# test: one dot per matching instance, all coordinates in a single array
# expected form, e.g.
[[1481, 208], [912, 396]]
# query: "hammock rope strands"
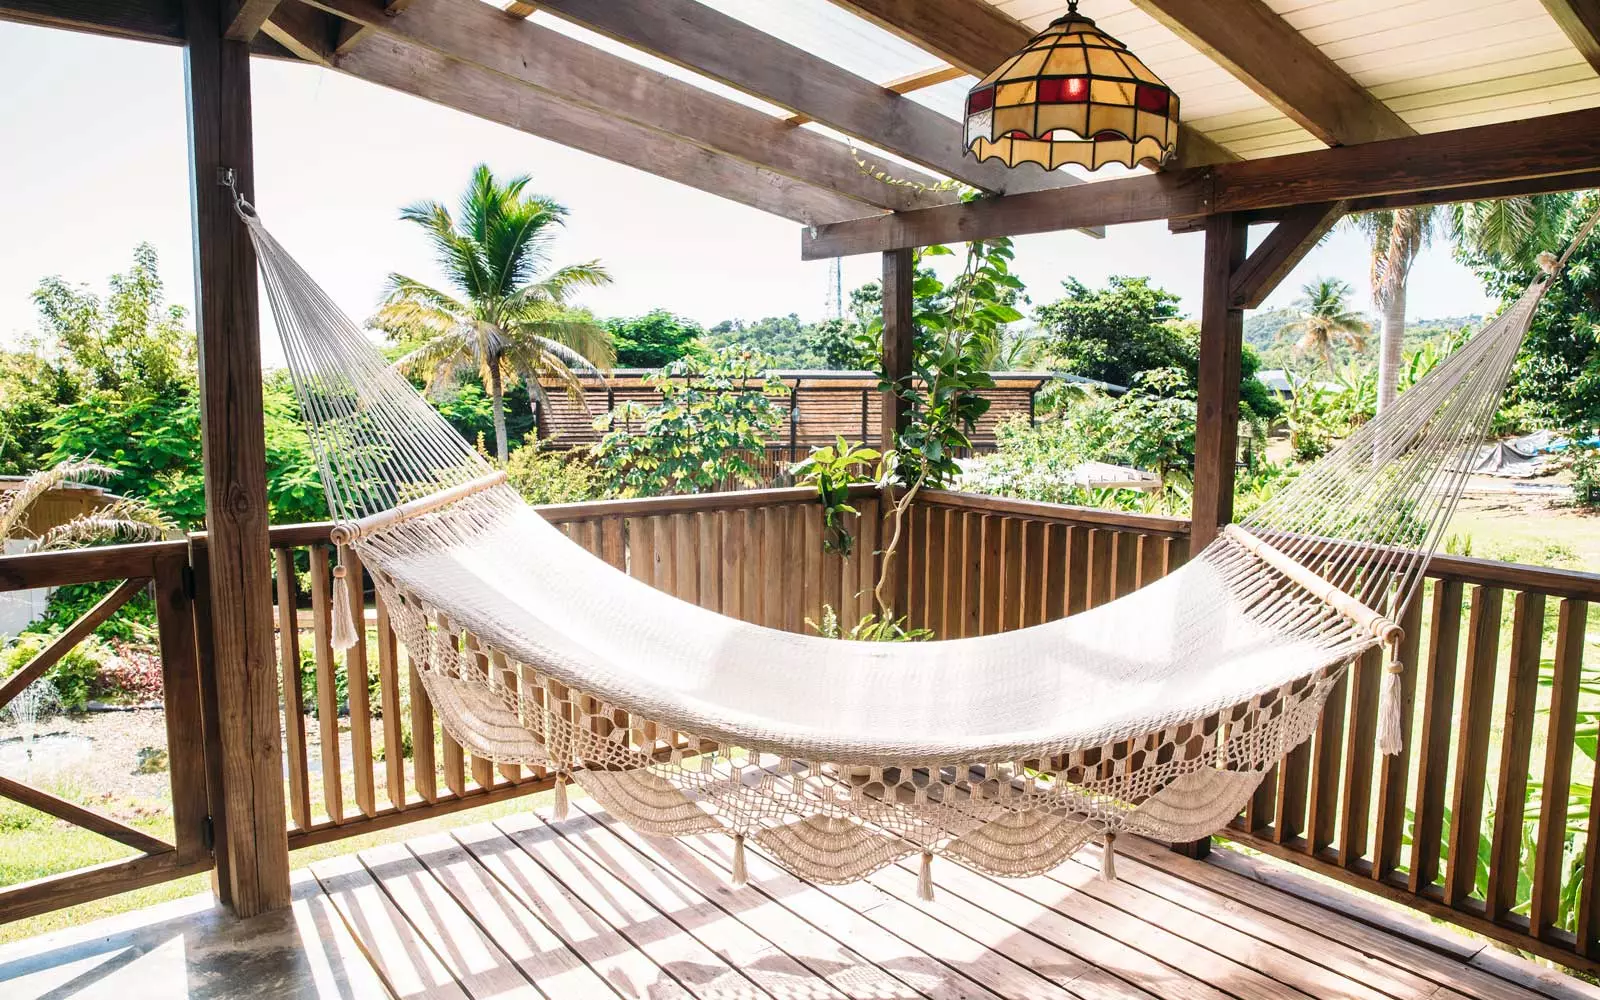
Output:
[[1156, 714]]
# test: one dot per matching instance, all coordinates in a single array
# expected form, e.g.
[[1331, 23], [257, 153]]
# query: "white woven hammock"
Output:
[[1158, 714]]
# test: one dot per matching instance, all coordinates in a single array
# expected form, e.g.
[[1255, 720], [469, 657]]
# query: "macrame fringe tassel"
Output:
[[925, 878], [740, 875], [1108, 858], [1390, 738], [344, 623], [559, 812]]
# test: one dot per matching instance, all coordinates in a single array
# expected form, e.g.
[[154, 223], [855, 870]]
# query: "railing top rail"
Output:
[[106, 562], [688, 503], [1149, 523]]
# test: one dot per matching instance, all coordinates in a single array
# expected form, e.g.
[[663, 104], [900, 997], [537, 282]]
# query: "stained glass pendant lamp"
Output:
[[1073, 95]]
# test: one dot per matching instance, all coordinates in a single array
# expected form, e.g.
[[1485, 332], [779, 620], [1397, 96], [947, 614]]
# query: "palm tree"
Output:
[[509, 316], [123, 520], [1511, 232], [1398, 237], [1326, 319]]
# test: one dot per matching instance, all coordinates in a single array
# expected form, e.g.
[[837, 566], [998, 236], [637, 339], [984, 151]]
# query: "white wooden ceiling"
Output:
[[1438, 64]]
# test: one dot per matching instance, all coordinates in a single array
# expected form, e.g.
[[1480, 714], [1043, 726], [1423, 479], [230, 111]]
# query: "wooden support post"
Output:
[[898, 277], [217, 77], [1216, 438]]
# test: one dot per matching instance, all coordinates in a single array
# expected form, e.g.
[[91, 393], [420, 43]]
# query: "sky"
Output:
[[93, 161]]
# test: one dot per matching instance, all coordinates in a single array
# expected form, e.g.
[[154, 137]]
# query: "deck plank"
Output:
[[401, 957], [629, 971], [683, 955], [516, 930], [844, 969], [763, 960], [475, 961]]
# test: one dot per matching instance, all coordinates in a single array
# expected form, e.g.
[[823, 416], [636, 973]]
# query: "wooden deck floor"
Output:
[[587, 908]]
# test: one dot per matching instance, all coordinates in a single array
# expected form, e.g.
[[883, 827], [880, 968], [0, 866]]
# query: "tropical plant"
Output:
[[871, 628], [713, 419], [510, 315], [653, 340], [1511, 232], [833, 469], [543, 475], [1397, 238], [1325, 319], [123, 520]]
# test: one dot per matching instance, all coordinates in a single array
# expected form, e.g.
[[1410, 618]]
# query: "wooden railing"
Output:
[[162, 569], [1496, 692], [755, 555]]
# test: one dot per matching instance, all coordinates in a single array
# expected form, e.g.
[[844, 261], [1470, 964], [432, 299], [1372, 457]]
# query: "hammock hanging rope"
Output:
[[1157, 714]]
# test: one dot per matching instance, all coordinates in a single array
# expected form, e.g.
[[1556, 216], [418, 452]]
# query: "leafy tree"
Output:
[[543, 475], [1114, 333], [784, 341], [653, 340], [32, 389], [1397, 238], [713, 419], [509, 317], [1325, 319]]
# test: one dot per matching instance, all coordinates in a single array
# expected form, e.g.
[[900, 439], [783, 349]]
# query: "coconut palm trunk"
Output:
[[497, 399], [1390, 353]]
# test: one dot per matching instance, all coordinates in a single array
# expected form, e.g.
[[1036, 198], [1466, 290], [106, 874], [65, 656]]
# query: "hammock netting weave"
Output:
[[1157, 714]]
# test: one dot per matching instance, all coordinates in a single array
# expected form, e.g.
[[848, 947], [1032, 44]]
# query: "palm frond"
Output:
[[126, 520], [14, 503]]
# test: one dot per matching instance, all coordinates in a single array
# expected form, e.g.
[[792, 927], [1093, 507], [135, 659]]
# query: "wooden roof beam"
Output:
[[307, 33], [976, 37], [1296, 235], [1580, 19], [903, 85], [1273, 59], [724, 48], [145, 20], [1550, 153], [572, 72], [406, 66], [244, 18]]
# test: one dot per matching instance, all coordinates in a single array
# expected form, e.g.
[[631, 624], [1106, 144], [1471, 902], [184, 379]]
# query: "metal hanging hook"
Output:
[[229, 178]]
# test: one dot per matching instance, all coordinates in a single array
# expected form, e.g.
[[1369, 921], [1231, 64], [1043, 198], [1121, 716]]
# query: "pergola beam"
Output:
[[307, 33], [408, 67], [567, 70], [1269, 56], [246, 17], [976, 37], [1551, 153], [724, 48], [1580, 19], [145, 20], [1296, 235]]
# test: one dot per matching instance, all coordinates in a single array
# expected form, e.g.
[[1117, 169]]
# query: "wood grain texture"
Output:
[[143, 20], [217, 77], [572, 72], [180, 698], [1296, 235], [699, 37], [1580, 20], [1267, 54], [1216, 442]]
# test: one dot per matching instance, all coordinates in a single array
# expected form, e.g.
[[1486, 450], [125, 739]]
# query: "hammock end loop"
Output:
[[344, 605], [925, 878], [1108, 858], [739, 875], [1391, 738]]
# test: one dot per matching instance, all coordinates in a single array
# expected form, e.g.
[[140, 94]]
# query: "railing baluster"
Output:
[[1057, 571], [1549, 848], [970, 607], [327, 692], [1326, 757], [1516, 742], [355, 668], [1010, 609], [1035, 572], [1102, 566], [1355, 803], [708, 527], [394, 761], [936, 573], [1472, 747], [1125, 557], [1433, 753], [774, 535], [1395, 769], [992, 552], [294, 711]]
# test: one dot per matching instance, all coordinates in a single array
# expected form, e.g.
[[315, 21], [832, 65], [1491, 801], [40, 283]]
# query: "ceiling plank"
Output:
[[1580, 19], [145, 20], [702, 39], [405, 66], [977, 37], [308, 33], [246, 17], [1550, 153], [575, 73], [1296, 235], [1269, 56]]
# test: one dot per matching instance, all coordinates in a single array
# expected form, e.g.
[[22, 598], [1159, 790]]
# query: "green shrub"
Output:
[[75, 676], [545, 476]]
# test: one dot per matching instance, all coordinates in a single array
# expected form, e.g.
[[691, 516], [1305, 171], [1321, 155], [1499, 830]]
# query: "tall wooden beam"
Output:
[[899, 340], [407, 67], [233, 450], [976, 36], [570, 71], [1551, 153], [1269, 56], [1296, 235], [707, 41], [1216, 434], [1580, 19]]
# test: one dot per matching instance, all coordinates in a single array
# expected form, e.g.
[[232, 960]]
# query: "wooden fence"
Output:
[[1496, 696]]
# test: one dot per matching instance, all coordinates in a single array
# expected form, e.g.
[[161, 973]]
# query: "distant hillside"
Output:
[[1266, 332]]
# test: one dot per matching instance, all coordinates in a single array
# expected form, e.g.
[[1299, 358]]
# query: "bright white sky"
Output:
[[92, 161]]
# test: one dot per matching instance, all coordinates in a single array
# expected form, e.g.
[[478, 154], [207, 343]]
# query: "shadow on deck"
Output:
[[587, 908]]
